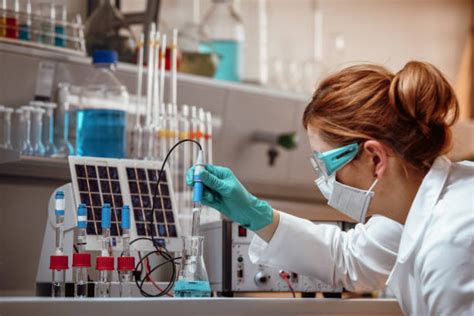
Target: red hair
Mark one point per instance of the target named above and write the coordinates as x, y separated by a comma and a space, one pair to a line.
411, 112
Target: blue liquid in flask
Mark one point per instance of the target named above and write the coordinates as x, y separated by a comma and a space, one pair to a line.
101, 133
228, 52
184, 288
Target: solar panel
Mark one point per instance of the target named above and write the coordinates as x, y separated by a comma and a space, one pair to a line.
99, 183
141, 179
121, 181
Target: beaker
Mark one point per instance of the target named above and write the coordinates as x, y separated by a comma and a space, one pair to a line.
192, 279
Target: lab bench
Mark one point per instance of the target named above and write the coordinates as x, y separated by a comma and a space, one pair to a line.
36, 306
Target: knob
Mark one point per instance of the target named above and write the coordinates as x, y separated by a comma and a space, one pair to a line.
261, 278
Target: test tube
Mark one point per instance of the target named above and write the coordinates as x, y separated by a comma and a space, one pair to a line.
148, 131
105, 263
185, 134
58, 261
7, 128
25, 21
48, 15
50, 147
209, 138
12, 20
37, 132
81, 261
26, 147
17, 140
137, 132
126, 263
194, 133
60, 25
3, 18
156, 97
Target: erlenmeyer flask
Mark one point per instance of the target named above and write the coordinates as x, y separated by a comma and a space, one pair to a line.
192, 279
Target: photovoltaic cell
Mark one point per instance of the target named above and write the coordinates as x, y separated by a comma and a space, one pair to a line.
98, 185
142, 186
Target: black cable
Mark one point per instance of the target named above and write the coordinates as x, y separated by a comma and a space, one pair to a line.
161, 250
139, 268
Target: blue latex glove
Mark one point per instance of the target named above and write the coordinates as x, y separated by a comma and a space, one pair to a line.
224, 192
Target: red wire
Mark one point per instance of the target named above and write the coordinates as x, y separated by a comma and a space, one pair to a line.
147, 268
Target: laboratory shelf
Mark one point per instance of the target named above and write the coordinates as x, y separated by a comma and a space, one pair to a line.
196, 306
14, 165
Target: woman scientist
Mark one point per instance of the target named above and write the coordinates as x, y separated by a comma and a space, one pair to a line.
378, 141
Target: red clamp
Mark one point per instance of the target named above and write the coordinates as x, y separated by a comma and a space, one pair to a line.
58, 262
104, 263
82, 259
126, 263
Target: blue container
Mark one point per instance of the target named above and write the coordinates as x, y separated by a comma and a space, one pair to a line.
101, 133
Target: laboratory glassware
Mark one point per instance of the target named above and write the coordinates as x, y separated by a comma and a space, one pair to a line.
25, 21
48, 16
12, 20
50, 147
60, 25
225, 32
65, 148
137, 131
126, 262
7, 128
193, 279
106, 29
105, 263
26, 147
3, 17
37, 132
81, 261
101, 121
58, 261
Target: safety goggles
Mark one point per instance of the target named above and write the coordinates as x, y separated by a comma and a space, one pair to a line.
325, 164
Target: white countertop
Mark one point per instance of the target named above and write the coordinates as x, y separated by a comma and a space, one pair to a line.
38, 306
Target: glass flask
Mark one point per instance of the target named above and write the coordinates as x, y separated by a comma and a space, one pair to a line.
101, 122
225, 31
192, 279
106, 29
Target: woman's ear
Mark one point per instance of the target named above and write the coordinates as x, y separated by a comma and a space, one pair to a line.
377, 155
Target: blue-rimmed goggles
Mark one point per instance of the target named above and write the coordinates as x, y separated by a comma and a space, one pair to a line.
327, 163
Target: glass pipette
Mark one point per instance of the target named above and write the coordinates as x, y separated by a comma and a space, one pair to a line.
198, 188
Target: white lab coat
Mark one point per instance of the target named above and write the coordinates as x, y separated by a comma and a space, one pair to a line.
433, 273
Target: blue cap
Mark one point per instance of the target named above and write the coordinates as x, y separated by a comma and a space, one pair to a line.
106, 216
104, 57
125, 217
59, 195
81, 212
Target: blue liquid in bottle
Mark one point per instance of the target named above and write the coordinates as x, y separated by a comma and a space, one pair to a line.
184, 288
101, 133
59, 38
229, 55
24, 32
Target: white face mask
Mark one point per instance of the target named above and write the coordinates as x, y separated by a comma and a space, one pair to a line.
350, 201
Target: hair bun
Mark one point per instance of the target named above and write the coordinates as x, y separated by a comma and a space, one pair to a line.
420, 92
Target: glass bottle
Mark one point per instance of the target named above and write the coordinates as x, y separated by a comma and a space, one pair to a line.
101, 121
106, 29
26, 147
3, 18
225, 31
37, 132
192, 279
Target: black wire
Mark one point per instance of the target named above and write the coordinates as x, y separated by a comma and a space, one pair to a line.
161, 173
161, 250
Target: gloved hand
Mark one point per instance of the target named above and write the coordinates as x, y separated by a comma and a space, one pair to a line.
224, 192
